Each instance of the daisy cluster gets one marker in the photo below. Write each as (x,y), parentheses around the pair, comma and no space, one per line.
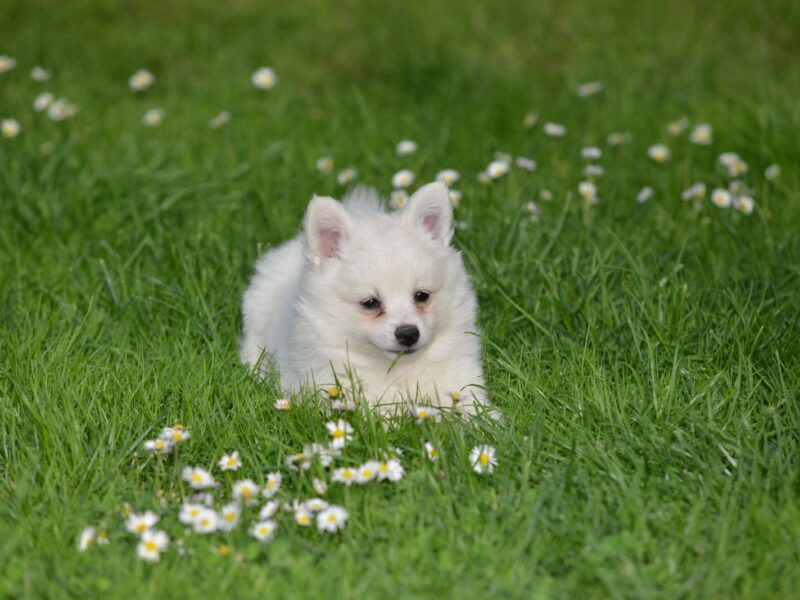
(212,504)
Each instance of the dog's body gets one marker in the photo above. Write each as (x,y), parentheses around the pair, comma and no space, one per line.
(383,297)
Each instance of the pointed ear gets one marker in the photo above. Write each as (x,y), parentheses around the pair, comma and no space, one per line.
(327,225)
(430,209)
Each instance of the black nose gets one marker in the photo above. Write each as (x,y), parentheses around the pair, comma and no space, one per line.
(407,335)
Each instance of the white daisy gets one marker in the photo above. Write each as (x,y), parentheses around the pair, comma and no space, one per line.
(448,176)
(483,177)
(153,117)
(533,209)
(367,472)
(43,101)
(423,413)
(207,521)
(40,74)
(546,195)
(390,470)
(431,451)
(341,432)
(10,128)
(139,523)
(198,477)
(497,168)
(230,462)
(141,80)
(283,404)
(721,198)
(303,516)
(644,194)
(332,519)
(701,134)
(264,530)
(245,490)
(455,197)
(220,120)
(695,191)
(346,176)
(525,163)
(618,138)
(772,172)
(316,504)
(6,63)
(589,88)
(272,485)
(405,147)
(269,510)
(345,475)
(745,204)
(190,512)
(319,486)
(482,459)
(588,191)
(529,120)
(86,539)
(675,128)
(151,545)
(229,516)
(264,78)
(102,538)
(659,153)
(325,165)
(61,110)
(591,153)
(158,446)
(402,179)
(175,434)
(299,461)
(503,157)
(593,171)
(554,129)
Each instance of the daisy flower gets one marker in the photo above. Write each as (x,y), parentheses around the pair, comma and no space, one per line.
(6,63)
(721,198)
(141,80)
(367,472)
(303,516)
(391,470)
(151,545)
(593,171)
(405,147)
(433,453)
(588,191)
(618,138)
(402,179)
(40,74)
(554,129)
(525,163)
(483,177)
(341,432)
(190,512)
(61,110)
(497,168)
(264,530)
(198,477)
(139,523)
(448,176)
(229,516)
(43,101)
(744,204)
(207,521)
(675,128)
(532,208)
(325,165)
(772,172)
(316,504)
(695,191)
(283,404)
(455,197)
(86,539)
(482,459)
(303,459)
(245,490)
(423,413)
(10,128)
(644,194)
(220,120)
(346,176)
(319,486)
(230,462)
(345,475)
(659,153)
(158,446)
(332,519)
(153,117)
(546,195)
(590,88)
(269,510)
(264,78)
(529,120)
(102,538)
(591,153)
(701,134)
(272,485)
(733,163)
(176,434)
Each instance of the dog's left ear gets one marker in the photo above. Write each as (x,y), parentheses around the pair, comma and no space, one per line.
(430,209)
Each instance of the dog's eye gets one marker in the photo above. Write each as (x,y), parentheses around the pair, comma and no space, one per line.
(421,297)
(371,303)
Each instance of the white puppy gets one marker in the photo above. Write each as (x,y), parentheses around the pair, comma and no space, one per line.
(379,300)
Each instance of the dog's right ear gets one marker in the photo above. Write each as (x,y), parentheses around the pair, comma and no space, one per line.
(327,225)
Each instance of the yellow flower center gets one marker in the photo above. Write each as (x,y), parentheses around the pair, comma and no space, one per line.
(455,395)
(205,522)
(271,484)
(484,458)
(367,473)
(347,473)
(223,549)
(384,467)
(177,436)
(231,516)
(263,530)
(422,414)
(194,512)
(140,527)
(151,546)
(338,433)
(432,453)
(303,519)
(197,478)
(159,444)
(231,462)
(246,491)
(333,392)
(331,518)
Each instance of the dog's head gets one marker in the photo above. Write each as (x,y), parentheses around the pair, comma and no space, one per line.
(386,280)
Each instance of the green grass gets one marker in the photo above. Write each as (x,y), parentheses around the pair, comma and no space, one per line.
(645,356)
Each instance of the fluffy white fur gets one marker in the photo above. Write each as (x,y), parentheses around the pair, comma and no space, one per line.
(303,312)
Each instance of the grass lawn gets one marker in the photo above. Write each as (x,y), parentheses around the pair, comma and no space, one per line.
(645,356)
